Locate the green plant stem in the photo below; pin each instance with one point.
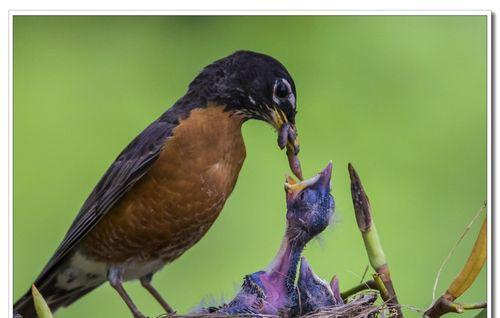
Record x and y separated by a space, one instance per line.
356 289
376 255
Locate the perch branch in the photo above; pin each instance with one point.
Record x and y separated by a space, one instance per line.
371 239
446 303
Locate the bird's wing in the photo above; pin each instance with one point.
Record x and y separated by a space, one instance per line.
130 166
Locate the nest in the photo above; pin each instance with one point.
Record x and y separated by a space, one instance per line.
361 305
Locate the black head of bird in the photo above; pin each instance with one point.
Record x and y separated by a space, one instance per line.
253 86
314 292
309 210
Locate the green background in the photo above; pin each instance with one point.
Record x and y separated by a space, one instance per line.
401 97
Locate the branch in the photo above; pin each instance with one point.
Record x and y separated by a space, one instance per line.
371 239
356 289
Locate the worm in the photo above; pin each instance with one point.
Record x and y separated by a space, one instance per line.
283 135
294 163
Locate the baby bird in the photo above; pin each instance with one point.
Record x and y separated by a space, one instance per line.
314 292
271 291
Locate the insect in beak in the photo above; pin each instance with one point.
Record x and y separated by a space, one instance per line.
287 137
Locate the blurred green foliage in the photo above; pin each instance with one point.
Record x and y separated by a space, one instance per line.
401 97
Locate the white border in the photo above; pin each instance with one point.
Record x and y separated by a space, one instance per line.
489 167
254 12
7 121
10 167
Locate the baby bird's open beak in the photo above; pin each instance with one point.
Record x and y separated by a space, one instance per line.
325 177
320 181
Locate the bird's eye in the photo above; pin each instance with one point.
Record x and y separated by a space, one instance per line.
302 196
281 89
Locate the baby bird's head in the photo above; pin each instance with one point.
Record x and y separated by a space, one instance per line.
314 292
310 206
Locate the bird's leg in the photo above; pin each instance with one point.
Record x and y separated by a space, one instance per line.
146 283
115 278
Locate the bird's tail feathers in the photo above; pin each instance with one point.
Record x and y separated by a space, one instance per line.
54 296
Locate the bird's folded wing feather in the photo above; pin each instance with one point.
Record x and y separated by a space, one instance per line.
129 167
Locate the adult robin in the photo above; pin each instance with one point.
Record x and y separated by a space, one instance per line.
167 187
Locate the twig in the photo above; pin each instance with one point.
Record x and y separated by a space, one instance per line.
357 308
445 304
371 239
479 305
364 274
356 289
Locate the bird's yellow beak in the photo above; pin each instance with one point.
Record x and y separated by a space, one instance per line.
293 188
287 137
321 180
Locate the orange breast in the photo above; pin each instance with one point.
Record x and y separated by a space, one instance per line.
177 201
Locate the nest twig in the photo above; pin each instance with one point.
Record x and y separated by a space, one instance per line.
361 306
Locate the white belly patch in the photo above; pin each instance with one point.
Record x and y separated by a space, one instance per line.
81 271
84 272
